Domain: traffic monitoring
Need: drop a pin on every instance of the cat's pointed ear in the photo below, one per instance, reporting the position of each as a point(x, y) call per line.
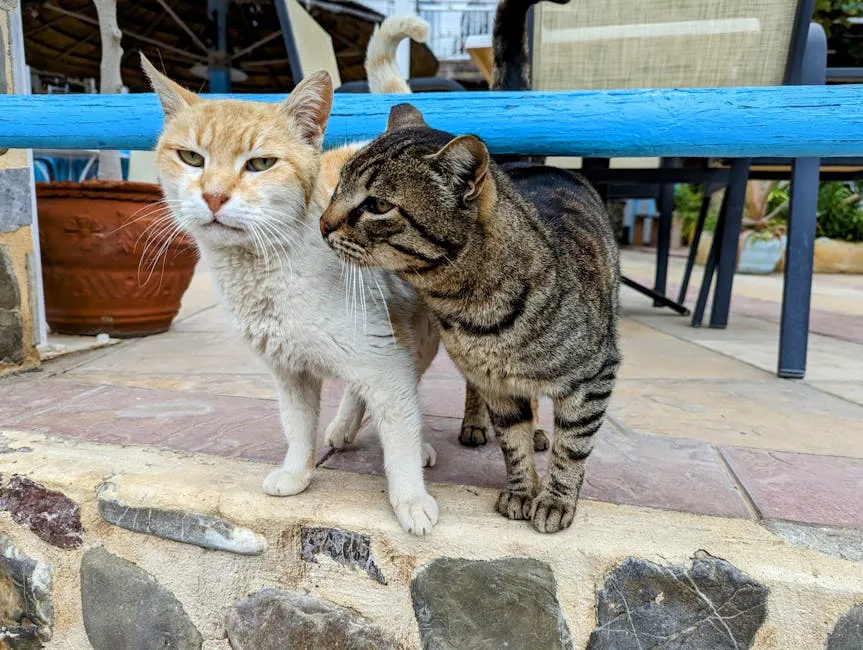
point(310, 104)
point(466, 159)
point(403, 116)
point(172, 95)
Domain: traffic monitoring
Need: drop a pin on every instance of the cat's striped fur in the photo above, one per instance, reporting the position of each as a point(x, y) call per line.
point(520, 268)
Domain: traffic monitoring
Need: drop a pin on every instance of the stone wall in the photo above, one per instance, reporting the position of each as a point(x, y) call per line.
point(105, 547)
point(17, 348)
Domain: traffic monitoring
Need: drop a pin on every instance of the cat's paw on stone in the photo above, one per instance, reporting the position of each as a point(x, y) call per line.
point(283, 483)
point(417, 515)
point(540, 440)
point(429, 455)
point(472, 436)
point(550, 515)
point(340, 433)
point(514, 505)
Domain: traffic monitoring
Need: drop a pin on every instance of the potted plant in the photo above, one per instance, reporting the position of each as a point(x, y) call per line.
point(763, 236)
point(108, 265)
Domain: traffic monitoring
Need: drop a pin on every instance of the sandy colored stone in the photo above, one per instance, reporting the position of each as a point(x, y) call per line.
point(770, 414)
point(847, 390)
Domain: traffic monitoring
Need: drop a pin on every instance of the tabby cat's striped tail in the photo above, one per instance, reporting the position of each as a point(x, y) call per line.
point(381, 68)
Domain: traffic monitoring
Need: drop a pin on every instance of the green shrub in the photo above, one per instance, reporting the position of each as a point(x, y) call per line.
point(839, 213)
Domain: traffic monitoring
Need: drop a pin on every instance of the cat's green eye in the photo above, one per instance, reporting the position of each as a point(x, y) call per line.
point(191, 158)
point(260, 164)
point(378, 206)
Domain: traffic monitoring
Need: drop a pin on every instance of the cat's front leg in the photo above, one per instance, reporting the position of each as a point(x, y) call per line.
point(512, 419)
point(299, 406)
point(394, 404)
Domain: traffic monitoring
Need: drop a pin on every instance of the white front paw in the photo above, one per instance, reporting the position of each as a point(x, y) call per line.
point(338, 433)
point(417, 515)
point(429, 455)
point(283, 483)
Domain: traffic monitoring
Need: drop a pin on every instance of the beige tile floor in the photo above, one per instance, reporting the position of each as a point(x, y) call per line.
point(698, 421)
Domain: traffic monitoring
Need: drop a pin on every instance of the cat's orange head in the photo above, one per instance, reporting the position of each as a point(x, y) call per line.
point(239, 173)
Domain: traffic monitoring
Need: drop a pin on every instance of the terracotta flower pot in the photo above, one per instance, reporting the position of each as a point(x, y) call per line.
point(93, 235)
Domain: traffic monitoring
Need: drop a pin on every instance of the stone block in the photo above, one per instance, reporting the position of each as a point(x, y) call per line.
point(124, 607)
point(487, 605)
point(274, 619)
point(15, 205)
point(711, 604)
point(345, 547)
point(26, 609)
point(50, 514)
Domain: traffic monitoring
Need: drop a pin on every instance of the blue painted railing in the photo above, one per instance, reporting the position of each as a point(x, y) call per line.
point(789, 121)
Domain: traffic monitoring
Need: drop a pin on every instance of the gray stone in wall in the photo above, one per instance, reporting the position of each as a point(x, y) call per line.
point(345, 547)
point(124, 607)
point(11, 336)
point(26, 610)
point(275, 619)
point(187, 527)
point(15, 203)
point(846, 543)
point(848, 633)
point(10, 296)
point(50, 514)
point(486, 605)
point(711, 604)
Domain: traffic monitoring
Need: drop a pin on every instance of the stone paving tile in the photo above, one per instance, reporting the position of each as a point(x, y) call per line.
point(624, 468)
point(666, 357)
point(827, 358)
point(178, 353)
point(258, 386)
point(770, 414)
point(121, 415)
point(848, 390)
point(25, 396)
point(824, 490)
point(213, 319)
point(657, 472)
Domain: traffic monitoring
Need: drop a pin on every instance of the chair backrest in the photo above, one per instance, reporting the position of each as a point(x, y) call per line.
point(311, 44)
point(607, 44)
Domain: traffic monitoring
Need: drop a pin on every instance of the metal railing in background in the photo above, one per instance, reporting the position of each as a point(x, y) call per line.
point(453, 22)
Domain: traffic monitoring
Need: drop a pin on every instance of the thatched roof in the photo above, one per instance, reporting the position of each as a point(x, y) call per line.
point(62, 37)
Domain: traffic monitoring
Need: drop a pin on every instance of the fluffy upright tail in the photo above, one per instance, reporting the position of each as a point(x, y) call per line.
point(381, 68)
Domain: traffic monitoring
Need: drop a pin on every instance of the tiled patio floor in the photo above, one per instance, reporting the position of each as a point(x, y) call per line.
point(699, 423)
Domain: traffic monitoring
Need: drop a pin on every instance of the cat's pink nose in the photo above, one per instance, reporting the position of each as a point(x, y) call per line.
point(215, 201)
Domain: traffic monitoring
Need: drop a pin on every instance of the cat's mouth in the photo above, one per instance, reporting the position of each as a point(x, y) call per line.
point(220, 225)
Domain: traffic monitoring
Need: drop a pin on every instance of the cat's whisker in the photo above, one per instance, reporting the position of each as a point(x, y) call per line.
point(162, 250)
point(363, 302)
point(155, 234)
point(386, 306)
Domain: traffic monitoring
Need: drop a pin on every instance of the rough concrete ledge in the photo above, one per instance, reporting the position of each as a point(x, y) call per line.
point(334, 562)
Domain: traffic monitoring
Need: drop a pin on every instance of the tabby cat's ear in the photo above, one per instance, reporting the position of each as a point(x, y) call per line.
point(403, 116)
point(466, 159)
point(310, 104)
point(173, 97)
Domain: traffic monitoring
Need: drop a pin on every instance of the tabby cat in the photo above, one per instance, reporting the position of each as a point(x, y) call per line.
point(384, 77)
point(520, 267)
point(243, 179)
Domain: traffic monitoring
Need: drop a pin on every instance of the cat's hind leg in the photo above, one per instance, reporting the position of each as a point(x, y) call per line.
point(577, 418)
point(540, 437)
point(475, 425)
point(343, 429)
point(299, 407)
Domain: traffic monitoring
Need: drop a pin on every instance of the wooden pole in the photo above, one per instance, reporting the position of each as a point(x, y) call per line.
point(110, 81)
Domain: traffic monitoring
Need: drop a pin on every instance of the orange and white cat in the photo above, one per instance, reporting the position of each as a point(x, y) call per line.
point(243, 179)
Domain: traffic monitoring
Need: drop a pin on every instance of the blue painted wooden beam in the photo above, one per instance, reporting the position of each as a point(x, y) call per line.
point(791, 121)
